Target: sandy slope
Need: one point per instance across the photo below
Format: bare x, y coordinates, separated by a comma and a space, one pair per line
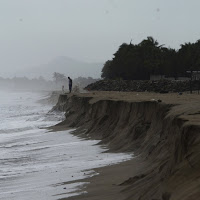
164, 135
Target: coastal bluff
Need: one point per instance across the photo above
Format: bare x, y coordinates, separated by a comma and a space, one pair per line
162, 130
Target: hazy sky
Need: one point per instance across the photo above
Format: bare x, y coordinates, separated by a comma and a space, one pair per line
33, 32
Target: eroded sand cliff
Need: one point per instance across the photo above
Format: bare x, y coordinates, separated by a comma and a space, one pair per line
162, 130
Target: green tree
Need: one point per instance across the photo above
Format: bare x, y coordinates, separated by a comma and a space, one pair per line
148, 57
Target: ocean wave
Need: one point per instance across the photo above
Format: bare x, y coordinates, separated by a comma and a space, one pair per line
16, 130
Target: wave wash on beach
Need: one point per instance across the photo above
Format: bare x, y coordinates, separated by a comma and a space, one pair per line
36, 163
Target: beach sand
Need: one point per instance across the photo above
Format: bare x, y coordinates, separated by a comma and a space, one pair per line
107, 185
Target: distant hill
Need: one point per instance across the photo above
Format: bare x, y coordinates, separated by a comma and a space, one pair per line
67, 66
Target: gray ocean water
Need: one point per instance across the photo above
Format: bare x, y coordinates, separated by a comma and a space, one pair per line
34, 163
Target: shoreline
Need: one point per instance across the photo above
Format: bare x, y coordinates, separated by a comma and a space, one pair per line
103, 182
149, 174
107, 183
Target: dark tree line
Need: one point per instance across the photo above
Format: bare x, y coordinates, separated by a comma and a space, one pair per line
138, 62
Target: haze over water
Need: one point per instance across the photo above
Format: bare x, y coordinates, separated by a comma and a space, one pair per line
34, 33
34, 163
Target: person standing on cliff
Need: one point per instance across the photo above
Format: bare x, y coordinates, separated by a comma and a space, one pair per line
70, 84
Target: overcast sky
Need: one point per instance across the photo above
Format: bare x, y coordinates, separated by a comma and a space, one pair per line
33, 32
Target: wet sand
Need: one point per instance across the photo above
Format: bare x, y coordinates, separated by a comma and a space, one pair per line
106, 185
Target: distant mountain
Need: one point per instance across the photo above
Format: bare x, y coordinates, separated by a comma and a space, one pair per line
67, 66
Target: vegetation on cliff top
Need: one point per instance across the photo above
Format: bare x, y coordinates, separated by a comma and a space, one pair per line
138, 62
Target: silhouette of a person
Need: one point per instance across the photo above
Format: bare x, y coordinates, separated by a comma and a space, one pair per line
70, 84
